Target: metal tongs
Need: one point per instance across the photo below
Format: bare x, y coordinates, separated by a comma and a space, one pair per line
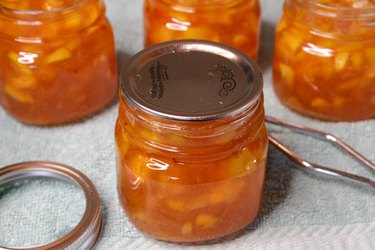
304, 164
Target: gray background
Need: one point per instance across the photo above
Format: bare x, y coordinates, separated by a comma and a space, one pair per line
300, 210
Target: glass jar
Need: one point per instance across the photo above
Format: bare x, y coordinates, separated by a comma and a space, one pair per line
191, 141
58, 60
232, 22
324, 64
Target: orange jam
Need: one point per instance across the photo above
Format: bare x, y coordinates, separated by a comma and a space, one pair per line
324, 64
191, 141
232, 22
58, 59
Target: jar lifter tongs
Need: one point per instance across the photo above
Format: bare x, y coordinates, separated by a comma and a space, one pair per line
310, 166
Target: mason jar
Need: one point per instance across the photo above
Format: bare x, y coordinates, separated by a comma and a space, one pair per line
58, 60
191, 141
232, 22
324, 64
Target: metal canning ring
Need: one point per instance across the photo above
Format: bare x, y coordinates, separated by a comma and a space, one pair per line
86, 234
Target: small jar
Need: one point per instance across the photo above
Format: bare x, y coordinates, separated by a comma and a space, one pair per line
58, 60
191, 141
324, 64
232, 22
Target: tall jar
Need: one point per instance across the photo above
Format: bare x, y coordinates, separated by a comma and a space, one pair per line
324, 64
191, 141
58, 60
232, 22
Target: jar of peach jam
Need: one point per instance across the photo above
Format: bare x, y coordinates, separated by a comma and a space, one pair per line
233, 22
324, 64
191, 141
57, 59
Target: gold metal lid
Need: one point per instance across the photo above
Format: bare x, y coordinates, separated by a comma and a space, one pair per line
191, 80
86, 234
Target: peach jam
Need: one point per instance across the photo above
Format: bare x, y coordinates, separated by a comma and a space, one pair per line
57, 59
191, 141
324, 63
233, 22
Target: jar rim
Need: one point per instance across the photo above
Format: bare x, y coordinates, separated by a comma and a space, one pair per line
247, 125
207, 3
340, 7
191, 8
31, 13
329, 10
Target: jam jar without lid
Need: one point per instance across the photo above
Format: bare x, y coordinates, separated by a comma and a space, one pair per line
324, 64
191, 140
58, 60
233, 22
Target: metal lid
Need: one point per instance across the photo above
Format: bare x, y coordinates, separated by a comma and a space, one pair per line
191, 80
86, 234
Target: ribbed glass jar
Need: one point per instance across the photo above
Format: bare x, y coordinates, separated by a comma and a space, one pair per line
191, 141
58, 60
324, 64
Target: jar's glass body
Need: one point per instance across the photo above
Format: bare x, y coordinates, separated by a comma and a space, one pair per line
232, 22
324, 64
186, 182
59, 64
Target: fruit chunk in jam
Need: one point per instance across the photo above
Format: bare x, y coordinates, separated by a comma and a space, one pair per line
52, 71
325, 67
232, 22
